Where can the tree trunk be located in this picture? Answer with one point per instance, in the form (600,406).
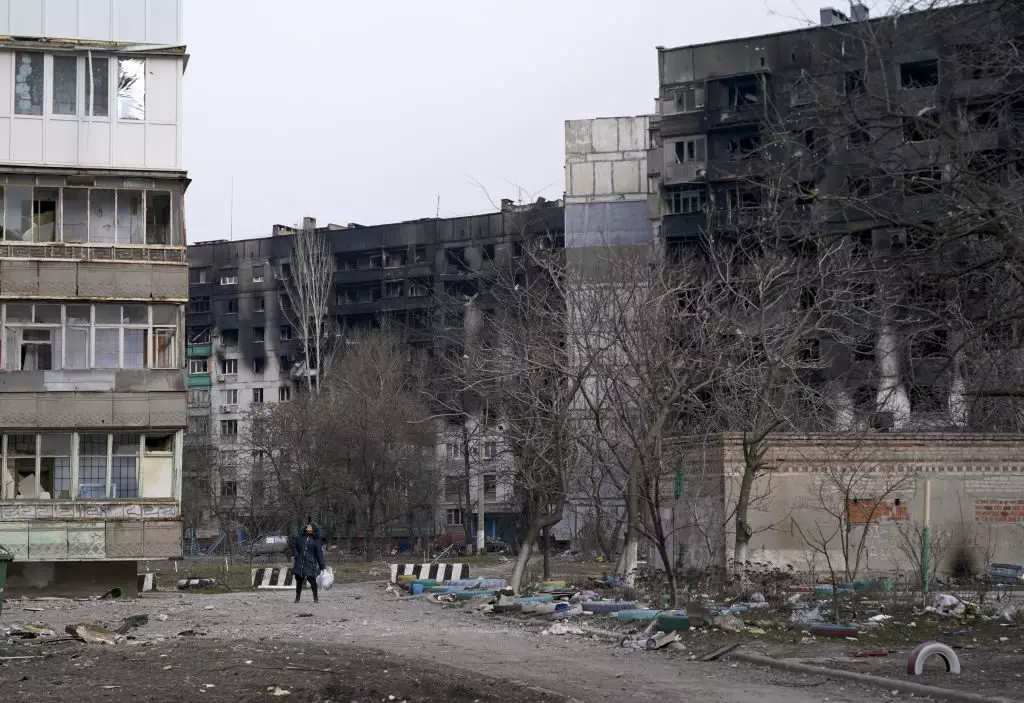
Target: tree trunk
(743,530)
(625,568)
(525,551)
(546,547)
(670,573)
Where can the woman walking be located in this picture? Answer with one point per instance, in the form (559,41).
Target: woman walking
(309,559)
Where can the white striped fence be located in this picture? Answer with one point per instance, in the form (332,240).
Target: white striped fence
(439,572)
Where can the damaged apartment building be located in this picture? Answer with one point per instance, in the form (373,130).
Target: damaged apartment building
(422,278)
(874,134)
(92,290)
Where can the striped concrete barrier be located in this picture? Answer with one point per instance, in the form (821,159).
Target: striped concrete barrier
(439,572)
(147,582)
(267,577)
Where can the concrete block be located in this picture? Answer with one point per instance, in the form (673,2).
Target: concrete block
(632,133)
(606,134)
(581,178)
(124,540)
(133,281)
(603,178)
(18,410)
(626,177)
(162,539)
(131,409)
(578,138)
(167,409)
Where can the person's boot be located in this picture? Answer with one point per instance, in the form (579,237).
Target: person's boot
(316,598)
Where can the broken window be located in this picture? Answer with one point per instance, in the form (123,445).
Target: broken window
(165,348)
(158,217)
(231,306)
(853,82)
(257,396)
(691,150)
(488,252)
(199,305)
(18,215)
(259,365)
(259,335)
(131,89)
(257,274)
(75,215)
(419,254)
(418,289)
(743,91)
(258,304)
(55,465)
(65,85)
(98,87)
(229,367)
(921,127)
(286,333)
(392,260)
(44,215)
(284,394)
(690,99)
(101,216)
(136,346)
(28,83)
(979,117)
(129,217)
(393,289)
(229,338)
(744,146)
(683,201)
(919,74)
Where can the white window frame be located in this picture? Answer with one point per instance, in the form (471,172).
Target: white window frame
(226,364)
(60,362)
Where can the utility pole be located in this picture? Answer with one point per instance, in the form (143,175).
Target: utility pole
(480,531)
(926,538)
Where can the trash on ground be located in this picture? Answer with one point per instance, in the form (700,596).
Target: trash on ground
(721,651)
(278,691)
(93,634)
(131,622)
(870,653)
(560,628)
(829,630)
(728,622)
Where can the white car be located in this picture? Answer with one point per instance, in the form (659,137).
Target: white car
(272,544)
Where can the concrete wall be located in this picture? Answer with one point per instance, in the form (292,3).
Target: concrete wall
(57,280)
(131,21)
(72,579)
(606,159)
(977,499)
(90,410)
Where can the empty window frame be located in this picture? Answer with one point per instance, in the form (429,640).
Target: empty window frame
(38,467)
(684,201)
(744,91)
(691,150)
(919,74)
(50,336)
(286,333)
(921,128)
(257,273)
(284,394)
(91,215)
(229,367)
(257,396)
(690,99)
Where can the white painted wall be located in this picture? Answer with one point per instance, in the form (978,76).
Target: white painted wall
(59,140)
(136,21)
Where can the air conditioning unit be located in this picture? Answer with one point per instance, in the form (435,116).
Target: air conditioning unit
(220,378)
(230,408)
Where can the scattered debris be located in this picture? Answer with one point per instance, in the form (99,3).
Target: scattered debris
(162,617)
(721,651)
(662,639)
(278,691)
(727,622)
(187,583)
(871,653)
(132,622)
(560,628)
(115,593)
(829,630)
(93,634)
(915,662)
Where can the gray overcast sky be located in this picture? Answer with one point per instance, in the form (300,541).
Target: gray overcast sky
(368,111)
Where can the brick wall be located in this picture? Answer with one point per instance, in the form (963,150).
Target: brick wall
(1008,511)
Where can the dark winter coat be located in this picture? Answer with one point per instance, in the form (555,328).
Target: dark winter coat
(308,555)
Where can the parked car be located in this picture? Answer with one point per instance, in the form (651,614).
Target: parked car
(271,544)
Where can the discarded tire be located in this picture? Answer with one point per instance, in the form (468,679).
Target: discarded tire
(672,620)
(917,658)
(637,615)
(606,607)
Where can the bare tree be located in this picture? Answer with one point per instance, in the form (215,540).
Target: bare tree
(307,300)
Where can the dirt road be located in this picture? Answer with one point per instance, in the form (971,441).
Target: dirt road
(445,651)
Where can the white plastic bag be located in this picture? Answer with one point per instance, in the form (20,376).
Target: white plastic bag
(325,579)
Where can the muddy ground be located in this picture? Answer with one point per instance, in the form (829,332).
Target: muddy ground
(240,671)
